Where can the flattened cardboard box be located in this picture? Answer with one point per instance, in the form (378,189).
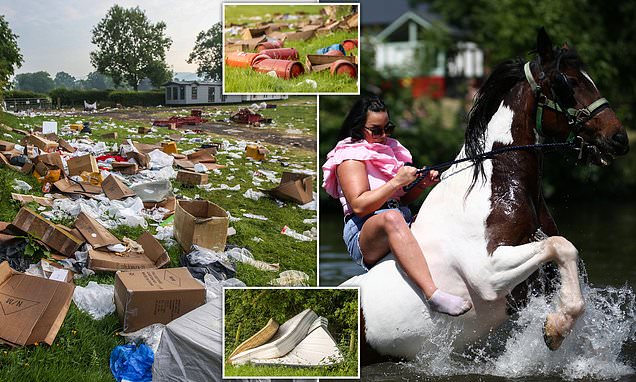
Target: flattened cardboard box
(154,256)
(202,223)
(294,187)
(125,167)
(95,234)
(32,308)
(60,240)
(152,296)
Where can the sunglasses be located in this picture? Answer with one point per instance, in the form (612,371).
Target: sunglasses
(378,131)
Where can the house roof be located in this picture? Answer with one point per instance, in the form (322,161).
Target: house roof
(190,83)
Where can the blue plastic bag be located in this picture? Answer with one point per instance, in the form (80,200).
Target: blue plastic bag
(332,47)
(132,363)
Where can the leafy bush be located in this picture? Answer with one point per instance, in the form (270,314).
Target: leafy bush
(132,98)
(23,94)
(76,97)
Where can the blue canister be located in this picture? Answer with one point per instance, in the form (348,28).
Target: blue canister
(332,47)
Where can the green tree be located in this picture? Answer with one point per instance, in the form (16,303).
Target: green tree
(129,46)
(40,82)
(10,57)
(97,80)
(159,73)
(207,53)
(64,80)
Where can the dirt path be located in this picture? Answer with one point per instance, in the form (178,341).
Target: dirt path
(231,130)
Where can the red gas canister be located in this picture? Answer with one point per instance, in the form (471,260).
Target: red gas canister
(343,67)
(283,68)
(350,44)
(274,44)
(334,53)
(281,53)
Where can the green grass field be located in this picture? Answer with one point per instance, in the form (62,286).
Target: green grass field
(242,80)
(82,348)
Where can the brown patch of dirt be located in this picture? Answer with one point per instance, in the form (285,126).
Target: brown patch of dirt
(231,130)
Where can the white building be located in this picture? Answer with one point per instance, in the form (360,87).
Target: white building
(205,93)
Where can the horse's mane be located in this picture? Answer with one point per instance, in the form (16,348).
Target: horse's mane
(502,79)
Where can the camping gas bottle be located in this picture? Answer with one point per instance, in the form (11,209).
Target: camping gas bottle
(281,53)
(240,59)
(332,47)
(273,44)
(343,67)
(283,68)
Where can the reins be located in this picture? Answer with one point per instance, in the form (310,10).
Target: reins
(421,173)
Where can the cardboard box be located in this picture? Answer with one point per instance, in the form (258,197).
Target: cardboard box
(24,199)
(154,296)
(42,229)
(169,147)
(192,178)
(41,143)
(52,159)
(112,135)
(257,152)
(33,308)
(203,156)
(95,234)
(49,127)
(294,187)
(115,189)
(76,126)
(144,130)
(320,62)
(154,256)
(143,160)
(77,165)
(125,167)
(202,223)
(6,146)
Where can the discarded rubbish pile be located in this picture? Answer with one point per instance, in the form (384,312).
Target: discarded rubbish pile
(303,340)
(263,47)
(193,119)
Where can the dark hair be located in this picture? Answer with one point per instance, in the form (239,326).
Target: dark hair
(357,117)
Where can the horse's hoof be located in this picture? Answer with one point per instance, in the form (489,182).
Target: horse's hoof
(551,336)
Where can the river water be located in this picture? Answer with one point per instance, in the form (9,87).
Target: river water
(602,345)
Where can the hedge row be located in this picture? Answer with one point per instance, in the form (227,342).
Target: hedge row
(23,94)
(76,97)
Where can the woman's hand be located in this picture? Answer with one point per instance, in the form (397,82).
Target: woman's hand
(431,178)
(406,175)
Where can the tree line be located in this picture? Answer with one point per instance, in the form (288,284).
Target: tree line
(130,50)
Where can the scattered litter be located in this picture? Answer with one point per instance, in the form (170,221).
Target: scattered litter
(201,261)
(214,287)
(257,239)
(298,236)
(199,167)
(132,363)
(311,83)
(310,221)
(95,299)
(291,278)
(254,195)
(21,186)
(257,217)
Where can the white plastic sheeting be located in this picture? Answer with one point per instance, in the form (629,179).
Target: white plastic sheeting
(109,213)
(95,299)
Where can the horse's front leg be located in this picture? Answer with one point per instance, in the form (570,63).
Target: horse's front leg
(508,266)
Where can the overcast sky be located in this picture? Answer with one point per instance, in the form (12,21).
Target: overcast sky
(55,36)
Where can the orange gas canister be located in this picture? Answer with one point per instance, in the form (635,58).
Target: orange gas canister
(350,44)
(240,59)
(281,53)
(283,68)
(343,67)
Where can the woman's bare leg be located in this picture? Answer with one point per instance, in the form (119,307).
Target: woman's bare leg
(389,232)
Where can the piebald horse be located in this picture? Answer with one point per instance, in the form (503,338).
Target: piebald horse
(485,229)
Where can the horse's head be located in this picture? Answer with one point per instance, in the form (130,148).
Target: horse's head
(574,105)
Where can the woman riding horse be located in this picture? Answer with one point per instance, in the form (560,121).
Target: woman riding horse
(485,227)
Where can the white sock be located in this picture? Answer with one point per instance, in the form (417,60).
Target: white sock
(448,303)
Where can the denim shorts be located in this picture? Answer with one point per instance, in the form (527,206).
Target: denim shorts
(353,226)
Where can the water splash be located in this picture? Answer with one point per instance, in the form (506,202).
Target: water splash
(601,345)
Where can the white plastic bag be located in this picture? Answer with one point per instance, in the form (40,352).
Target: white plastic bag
(95,299)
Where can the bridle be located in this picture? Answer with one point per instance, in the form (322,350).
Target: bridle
(562,101)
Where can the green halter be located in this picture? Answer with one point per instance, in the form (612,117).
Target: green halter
(576,117)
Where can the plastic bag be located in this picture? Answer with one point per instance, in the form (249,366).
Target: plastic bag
(150,335)
(254,195)
(95,299)
(159,159)
(21,186)
(291,233)
(131,363)
(291,278)
(214,287)
(201,262)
